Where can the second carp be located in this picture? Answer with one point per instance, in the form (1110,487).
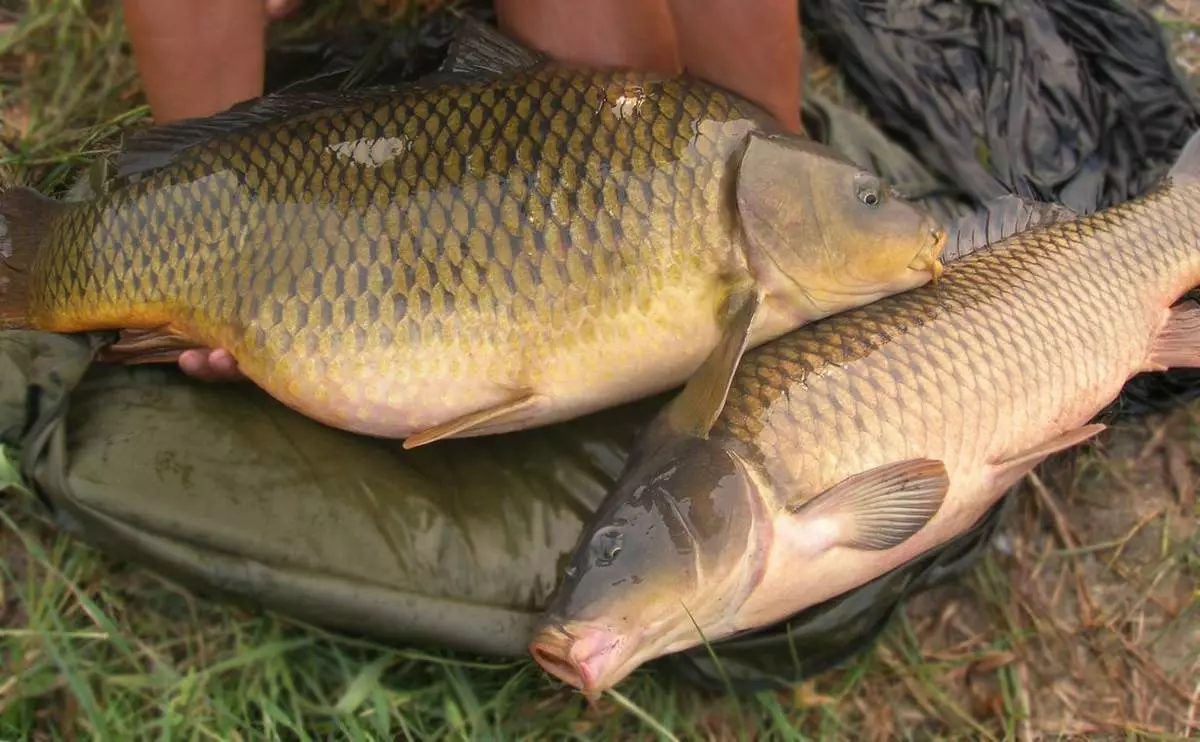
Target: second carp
(851,446)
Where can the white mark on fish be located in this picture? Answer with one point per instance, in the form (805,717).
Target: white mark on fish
(626,105)
(371,151)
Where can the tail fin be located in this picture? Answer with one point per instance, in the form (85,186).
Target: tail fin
(1187,164)
(24,215)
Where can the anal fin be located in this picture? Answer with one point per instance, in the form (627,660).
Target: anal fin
(475,421)
(1010,470)
(878,509)
(1177,344)
(162,345)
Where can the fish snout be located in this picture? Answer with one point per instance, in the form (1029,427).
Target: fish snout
(928,260)
(584,658)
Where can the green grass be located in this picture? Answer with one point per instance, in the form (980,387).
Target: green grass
(1084,620)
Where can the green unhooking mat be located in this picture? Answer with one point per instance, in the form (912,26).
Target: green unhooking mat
(456,545)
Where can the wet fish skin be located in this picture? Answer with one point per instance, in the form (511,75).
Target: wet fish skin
(853,445)
(526,247)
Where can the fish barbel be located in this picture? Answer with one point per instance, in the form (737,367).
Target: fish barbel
(853,445)
(508,244)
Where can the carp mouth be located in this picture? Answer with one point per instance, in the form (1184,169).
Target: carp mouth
(929,257)
(589,658)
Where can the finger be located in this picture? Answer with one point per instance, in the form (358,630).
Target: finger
(194,363)
(223,365)
(199,365)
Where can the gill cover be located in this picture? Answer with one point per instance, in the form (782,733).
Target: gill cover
(664,539)
(834,231)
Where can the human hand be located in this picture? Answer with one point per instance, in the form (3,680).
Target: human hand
(210,365)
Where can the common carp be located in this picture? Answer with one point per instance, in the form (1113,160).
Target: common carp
(848,447)
(506,244)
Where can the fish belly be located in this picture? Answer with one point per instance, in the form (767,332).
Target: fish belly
(401,388)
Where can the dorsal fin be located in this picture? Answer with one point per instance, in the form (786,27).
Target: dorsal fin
(159,146)
(1187,164)
(479,51)
(998,219)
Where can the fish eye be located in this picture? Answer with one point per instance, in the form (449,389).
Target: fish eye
(869,190)
(606,546)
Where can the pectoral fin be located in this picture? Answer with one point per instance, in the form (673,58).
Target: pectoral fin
(1010,470)
(697,407)
(476,422)
(878,509)
(1177,344)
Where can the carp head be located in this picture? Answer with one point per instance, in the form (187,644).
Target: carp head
(823,234)
(661,568)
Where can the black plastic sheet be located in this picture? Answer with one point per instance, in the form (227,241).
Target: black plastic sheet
(1056,100)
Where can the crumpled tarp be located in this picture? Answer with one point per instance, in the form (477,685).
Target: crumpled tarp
(456,545)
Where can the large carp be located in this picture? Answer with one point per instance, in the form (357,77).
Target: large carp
(853,445)
(506,244)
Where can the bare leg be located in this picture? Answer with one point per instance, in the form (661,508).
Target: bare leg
(197,57)
(612,33)
(752,48)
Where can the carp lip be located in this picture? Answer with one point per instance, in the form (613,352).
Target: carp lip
(583,659)
(929,258)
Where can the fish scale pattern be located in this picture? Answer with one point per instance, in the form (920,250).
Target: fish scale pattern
(1044,327)
(531,214)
